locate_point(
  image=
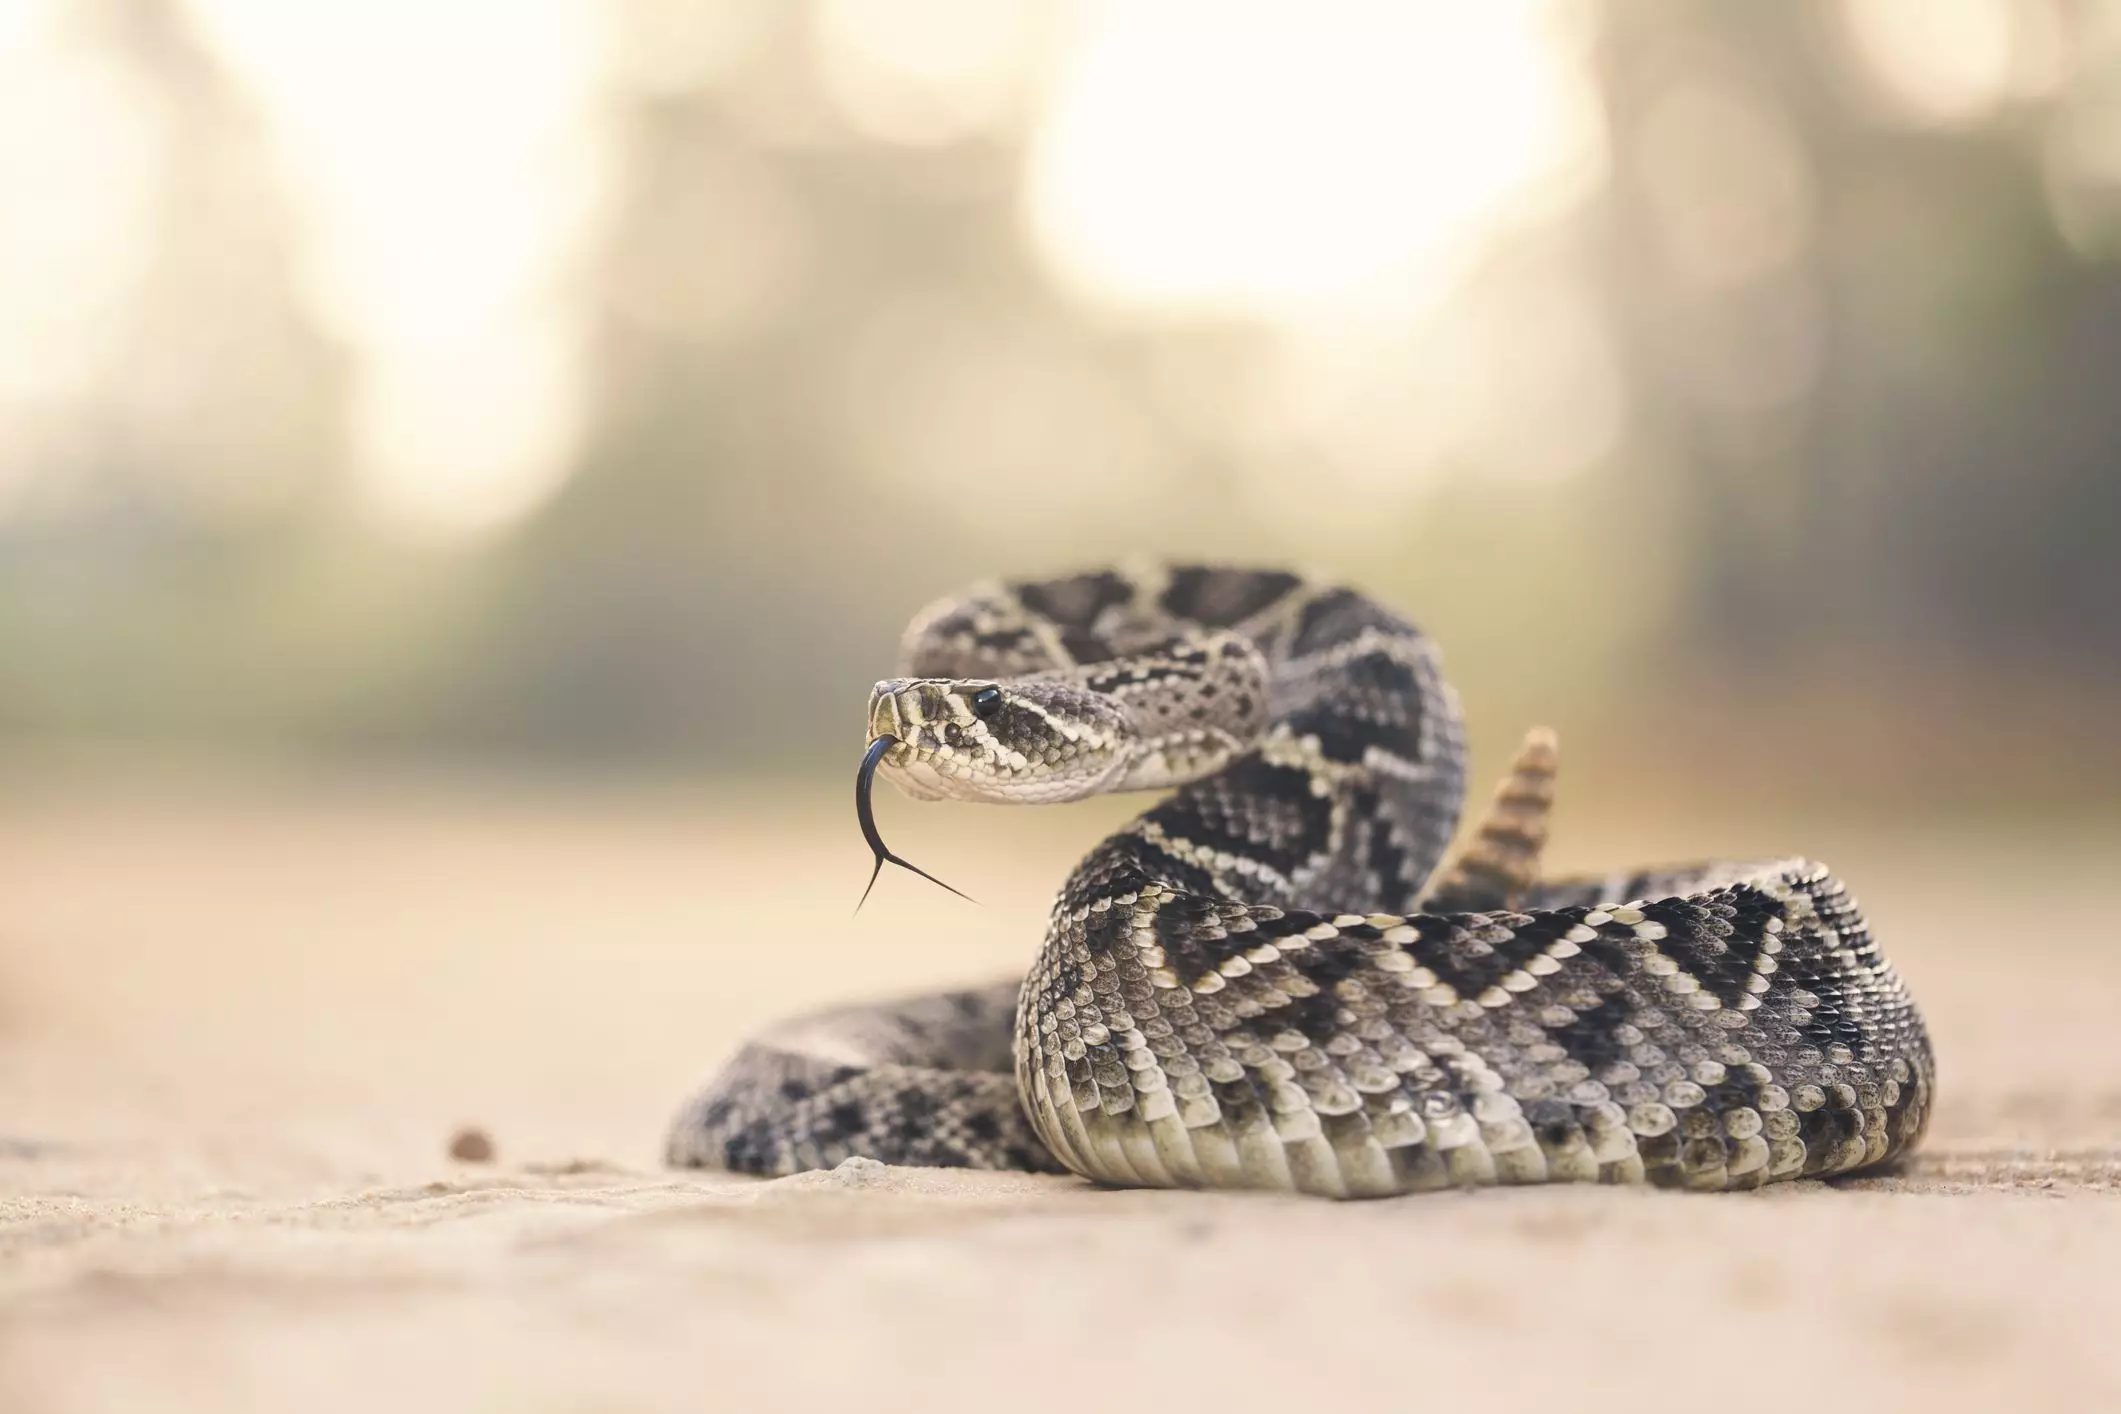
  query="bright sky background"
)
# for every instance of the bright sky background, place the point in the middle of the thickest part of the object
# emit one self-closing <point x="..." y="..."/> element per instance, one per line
<point x="1325" y="166"/>
<point x="447" y="160"/>
<point x="1340" y="153"/>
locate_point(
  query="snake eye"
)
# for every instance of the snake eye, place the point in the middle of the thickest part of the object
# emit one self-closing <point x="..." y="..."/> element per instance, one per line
<point x="986" y="702"/>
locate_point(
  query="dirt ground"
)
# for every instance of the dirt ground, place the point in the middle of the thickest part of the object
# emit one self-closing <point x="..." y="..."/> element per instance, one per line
<point x="239" y="1029"/>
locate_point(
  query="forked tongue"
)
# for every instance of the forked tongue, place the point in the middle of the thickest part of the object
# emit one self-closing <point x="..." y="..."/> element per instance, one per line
<point x="864" y="781"/>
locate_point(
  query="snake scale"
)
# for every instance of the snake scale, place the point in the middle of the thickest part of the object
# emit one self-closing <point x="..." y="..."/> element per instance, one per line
<point x="1272" y="979"/>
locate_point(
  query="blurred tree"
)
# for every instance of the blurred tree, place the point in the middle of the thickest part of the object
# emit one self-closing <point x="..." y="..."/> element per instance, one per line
<point x="168" y="487"/>
<point x="1868" y="365"/>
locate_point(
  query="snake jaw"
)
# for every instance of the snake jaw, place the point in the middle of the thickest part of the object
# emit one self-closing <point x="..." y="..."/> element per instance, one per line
<point x="918" y="779"/>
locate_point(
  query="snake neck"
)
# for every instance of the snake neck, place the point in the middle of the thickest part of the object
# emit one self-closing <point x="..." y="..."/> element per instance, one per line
<point x="1192" y="707"/>
<point x="1331" y="780"/>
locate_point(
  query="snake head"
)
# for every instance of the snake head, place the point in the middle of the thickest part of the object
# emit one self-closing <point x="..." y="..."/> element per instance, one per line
<point x="1026" y="741"/>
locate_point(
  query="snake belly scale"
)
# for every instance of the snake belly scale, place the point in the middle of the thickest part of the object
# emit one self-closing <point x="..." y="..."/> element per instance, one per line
<point x="1274" y="978"/>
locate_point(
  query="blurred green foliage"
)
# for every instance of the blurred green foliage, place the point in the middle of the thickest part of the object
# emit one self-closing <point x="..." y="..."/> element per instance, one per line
<point x="1865" y="511"/>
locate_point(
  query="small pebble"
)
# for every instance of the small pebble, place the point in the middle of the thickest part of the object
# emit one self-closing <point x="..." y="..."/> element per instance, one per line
<point x="472" y="1146"/>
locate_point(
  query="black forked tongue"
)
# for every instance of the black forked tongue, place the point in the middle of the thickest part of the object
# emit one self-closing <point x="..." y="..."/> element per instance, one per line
<point x="864" y="781"/>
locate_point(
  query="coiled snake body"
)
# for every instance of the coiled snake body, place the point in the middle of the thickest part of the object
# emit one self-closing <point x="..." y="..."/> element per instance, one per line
<point x="1266" y="981"/>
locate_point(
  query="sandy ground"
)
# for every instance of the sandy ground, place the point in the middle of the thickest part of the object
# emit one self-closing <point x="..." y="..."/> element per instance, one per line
<point x="237" y="1033"/>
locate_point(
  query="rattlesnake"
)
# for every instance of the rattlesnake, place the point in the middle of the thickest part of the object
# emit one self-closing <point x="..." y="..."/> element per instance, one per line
<point x="1259" y="983"/>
